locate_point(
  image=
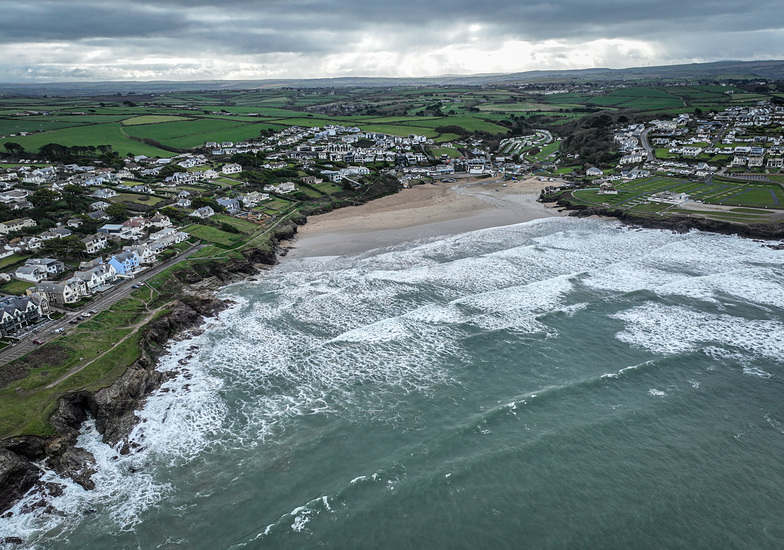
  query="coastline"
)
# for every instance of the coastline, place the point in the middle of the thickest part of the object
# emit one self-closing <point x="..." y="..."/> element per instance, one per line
<point x="422" y="212"/>
<point x="425" y="211"/>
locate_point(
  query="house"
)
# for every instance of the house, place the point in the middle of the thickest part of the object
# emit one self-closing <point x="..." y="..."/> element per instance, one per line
<point x="593" y="171"/>
<point x="168" y="237"/>
<point x="231" y="169"/>
<point x="97" y="278"/>
<point x="104" y="193"/>
<point x="31" y="273"/>
<point x="52" y="266"/>
<point x="94" y="243"/>
<point x="99" y="205"/>
<point x="125" y="263"/>
<point x="145" y="253"/>
<point x="56" y="233"/>
<point x="203" y="212"/>
<point x="16" y="225"/>
<point x="99" y="215"/>
<point x="232" y="206"/>
<point x="69" y="291"/>
<point x="160" y="221"/>
<point x="184" y="203"/>
<point x="253" y="198"/>
<point x="17" y="313"/>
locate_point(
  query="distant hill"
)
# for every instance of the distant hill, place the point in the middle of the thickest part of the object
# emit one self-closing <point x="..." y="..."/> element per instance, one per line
<point x="719" y="70"/>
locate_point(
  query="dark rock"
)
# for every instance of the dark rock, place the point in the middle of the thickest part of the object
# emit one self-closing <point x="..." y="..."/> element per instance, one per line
<point x="75" y="463"/>
<point x="17" y="476"/>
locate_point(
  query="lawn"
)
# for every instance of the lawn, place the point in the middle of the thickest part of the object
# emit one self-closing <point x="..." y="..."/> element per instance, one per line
<point x="213" y="235"/>
<point x="243" y="225"/>
<point x="16" y="287"/>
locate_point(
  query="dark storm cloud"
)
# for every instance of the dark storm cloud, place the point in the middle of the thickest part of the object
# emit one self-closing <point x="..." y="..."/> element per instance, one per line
<point x="530" y="20"/>
<point x="233" y="33"/>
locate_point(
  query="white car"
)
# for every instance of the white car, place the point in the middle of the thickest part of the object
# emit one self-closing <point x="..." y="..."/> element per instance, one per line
<point x="59" y="330"/>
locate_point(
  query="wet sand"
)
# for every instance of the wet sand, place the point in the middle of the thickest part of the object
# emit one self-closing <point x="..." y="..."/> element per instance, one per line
<point x="422" y="212"/>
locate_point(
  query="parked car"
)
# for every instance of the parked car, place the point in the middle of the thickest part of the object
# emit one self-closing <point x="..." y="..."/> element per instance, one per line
<point x="86" y="314"/>
<point x="37" y="342"/>
<point x="73" y="321"/>
<point x="93" y="312"/>
<point x="134" y="286"/>
<point x="79" y="318"/>
<point x="59" y="330"/>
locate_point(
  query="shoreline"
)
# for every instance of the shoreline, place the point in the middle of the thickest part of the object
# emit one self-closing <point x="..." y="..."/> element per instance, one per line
<point x="422" y="212"/>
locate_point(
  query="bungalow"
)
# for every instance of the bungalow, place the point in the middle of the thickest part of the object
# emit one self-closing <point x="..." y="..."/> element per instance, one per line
<point x="203" y="212"/>
<point x="99" y="205"/>
<point x="69" y="291"/>
<point x="18" y="313"/>
<point x="232" y="206"/>
<point x="184" y="203"/>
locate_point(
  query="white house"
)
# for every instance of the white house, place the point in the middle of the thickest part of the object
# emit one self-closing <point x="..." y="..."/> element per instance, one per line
<point x="231" y="169"/>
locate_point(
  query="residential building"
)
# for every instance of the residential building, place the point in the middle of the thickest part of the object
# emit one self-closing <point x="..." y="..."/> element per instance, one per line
<point x="232" y="206"/>
<point x="203" y="212"/>
<point x="17" y="313"/>
<point x="31" y="273"/>
<point x="94" y="243"/>
<point x="69" y="291"/>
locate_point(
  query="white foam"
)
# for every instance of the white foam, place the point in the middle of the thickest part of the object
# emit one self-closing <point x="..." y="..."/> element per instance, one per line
<point x="676" y="329"/>
<point x="656" y="393"/>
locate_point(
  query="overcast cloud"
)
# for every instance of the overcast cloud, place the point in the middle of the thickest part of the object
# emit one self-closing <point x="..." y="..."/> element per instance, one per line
<point x="65" y="40"/>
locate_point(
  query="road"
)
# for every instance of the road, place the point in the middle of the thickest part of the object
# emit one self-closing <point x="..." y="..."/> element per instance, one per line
<point x="647" y="146"/>
<point x="103" y="301"/>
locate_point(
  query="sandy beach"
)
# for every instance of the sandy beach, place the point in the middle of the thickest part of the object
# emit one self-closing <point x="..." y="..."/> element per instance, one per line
<point x="424" y="211"/>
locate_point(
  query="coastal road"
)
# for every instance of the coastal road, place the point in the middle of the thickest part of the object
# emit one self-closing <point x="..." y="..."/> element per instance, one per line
<point x="43" y="332"/>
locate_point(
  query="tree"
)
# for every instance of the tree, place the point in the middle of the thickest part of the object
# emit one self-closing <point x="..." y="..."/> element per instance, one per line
<point x="44" y="198"/>
<point x="13" y="148"/>
<point x="67" y="247"/>
<point x="117" y="211"/>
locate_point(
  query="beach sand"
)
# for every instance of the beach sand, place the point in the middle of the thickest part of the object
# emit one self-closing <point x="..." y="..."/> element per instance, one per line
<point x="422" y="212"/>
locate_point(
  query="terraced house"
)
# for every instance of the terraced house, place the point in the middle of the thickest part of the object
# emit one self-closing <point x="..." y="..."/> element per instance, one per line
<point x="17" y="313"/>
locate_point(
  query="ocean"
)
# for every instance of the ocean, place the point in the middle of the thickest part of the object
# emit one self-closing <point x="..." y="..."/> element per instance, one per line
<point x="562" y="383"/>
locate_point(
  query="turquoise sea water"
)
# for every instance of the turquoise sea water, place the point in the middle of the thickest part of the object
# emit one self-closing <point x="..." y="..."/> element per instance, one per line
<point x="557" y="384"/>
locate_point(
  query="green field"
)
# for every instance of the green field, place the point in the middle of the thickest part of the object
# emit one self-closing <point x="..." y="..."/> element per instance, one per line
<point x="213" y="235"/>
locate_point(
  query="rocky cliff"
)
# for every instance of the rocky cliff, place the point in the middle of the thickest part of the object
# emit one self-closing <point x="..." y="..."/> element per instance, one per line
<point x="114" y="407"/>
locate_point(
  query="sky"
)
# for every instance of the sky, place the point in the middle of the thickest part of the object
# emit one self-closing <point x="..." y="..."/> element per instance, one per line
<point x="140" y="40"/>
